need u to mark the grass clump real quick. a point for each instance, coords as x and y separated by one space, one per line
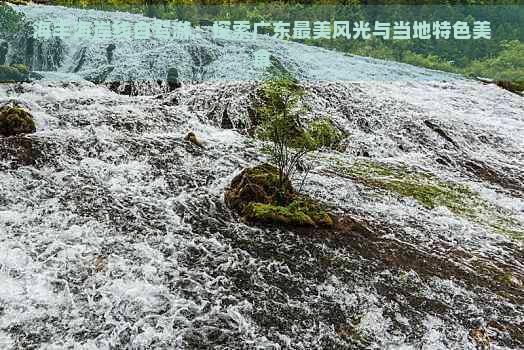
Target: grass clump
325 134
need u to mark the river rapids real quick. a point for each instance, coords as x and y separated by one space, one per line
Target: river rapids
114 233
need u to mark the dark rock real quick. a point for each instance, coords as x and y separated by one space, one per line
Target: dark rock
226 121
81 56
109 52
191 137
35 76
505 177
172 78
440 132
17 150
4 48
15 121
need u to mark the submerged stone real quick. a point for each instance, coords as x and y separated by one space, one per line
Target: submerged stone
15 121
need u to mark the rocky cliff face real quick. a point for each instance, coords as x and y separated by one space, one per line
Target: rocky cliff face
115 234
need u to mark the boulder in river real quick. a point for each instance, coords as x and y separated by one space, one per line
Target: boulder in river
259 196
15 121
172 78
14 72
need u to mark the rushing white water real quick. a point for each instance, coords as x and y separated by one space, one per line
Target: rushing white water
114 235
204 58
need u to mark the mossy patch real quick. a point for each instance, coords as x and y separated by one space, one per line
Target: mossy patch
300 212
14 72
259 184
325 134
15 121
259 196
431 192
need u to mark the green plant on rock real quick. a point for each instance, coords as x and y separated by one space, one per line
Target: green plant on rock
280 110
259 196
260 184
15 121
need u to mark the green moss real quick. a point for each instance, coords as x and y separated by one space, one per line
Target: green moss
301 212
14 72
431 192
14 121
260 184
325 134
22 68
272 214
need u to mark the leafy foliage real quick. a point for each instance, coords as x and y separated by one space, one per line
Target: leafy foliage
280 111
11 21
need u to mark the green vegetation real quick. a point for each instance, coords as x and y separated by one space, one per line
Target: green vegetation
10 20
324 134
259 196
15 121
431 192
426 189
302 211
279 109
14 72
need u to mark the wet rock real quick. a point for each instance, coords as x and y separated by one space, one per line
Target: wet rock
109 52
17 150
481 338
4 48
81 57
512 86
15 121
191 137
99 75
260 196
505 177
226 121
35 76
440 132
172 78
201 56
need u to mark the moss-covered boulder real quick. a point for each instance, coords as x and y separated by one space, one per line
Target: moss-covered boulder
14 72
325 134
302 211
259 196
15 121
259 184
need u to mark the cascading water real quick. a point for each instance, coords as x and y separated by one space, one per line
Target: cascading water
114 234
